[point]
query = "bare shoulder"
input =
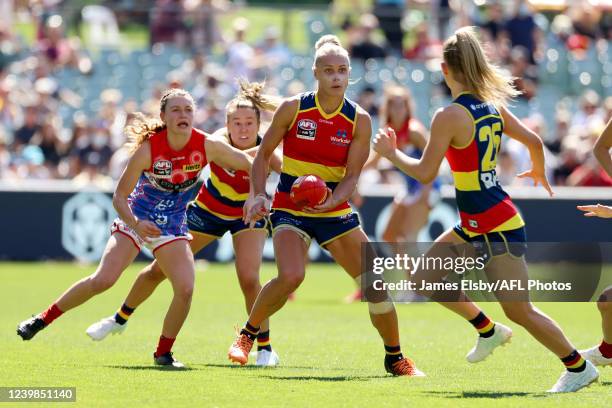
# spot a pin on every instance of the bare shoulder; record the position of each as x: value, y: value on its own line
x: 361, y: 115
x: 452, y: 113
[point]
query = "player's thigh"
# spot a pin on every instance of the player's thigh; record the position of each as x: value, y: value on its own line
x: 346, y: 251
x: 200, y: 241
x: 119, y: 253
x: 248, y: 247
x: 507, y: 269
x: 447, y: 245
x: 176, y: 261
x: 290, y: 251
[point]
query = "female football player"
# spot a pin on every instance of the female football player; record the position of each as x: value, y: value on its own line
x: 216, y: 210
x: 325, y: 134
x: 151, y: 196
x: 469, y: 133
x: 602, y: 354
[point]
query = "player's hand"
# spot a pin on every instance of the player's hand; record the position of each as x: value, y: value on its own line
x: 538, y: 178
x: 147, y: 230
x: 329, y: 204
x: 255, y: 208
x: 385, y: 142
x: 599, y: 210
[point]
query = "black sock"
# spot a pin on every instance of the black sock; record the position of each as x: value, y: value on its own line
x: 574, y: 362
x: 393, y: 354
x: 250, y: 331
x: 484, y: 326
x: 123, y: 314
x: 263, y: 341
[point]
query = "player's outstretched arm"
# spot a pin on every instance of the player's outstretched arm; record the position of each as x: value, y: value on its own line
x: 598, y: 210
x: 139, y: 162
x: 602, y: 147
x: 225, y: 155
x: 425, y: 170
x: 514, y: 128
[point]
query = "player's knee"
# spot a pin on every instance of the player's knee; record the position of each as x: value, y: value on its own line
x: 519, y: 313
x: 604, y: 303
x: 153, y: 273
x: 100, y: 283
x: 291, y: 281
x: 250, y: 284
x: 184, y: 291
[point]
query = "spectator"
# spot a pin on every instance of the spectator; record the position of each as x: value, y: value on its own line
x: 204, y: 33
x: 239, y: 53
x: 362, y: 46
x: 367, y: 100
x: 30, y: 126
x: 424, y: 47
x: 589, y: 114
x: 168, y: 23
x: 494, y: 22
x: 389, y: 14
x: 521, y: 29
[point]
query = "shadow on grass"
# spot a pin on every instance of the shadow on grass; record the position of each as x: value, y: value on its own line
x: 605, y: 382
x: 254, y: 367
x: 151, y: 367
x: 483, y: 394
x: 341, y: 378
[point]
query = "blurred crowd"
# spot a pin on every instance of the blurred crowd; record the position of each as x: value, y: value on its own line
x: 62, y: 116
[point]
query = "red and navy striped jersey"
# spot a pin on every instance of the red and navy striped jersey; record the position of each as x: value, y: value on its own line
x: 483, y: 205
x: 225, y: 191
x: 163, y: 190
x: 316, y: 143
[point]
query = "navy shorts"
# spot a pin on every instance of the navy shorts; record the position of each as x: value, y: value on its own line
x: 202, y: 221
x: 323, y: 229
x: 512, y: 242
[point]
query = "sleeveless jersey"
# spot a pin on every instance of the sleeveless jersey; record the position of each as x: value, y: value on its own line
x: 163, y: 190
x: 225, y: 192
x: 483, y: 205
x: 316, y: 143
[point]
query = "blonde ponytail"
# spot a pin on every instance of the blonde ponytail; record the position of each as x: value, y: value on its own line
x: 250, y: 96
x: 465, y: 57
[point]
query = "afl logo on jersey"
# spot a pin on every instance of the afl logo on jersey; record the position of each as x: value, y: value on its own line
x: 306, y: 129
x: 162, y: 168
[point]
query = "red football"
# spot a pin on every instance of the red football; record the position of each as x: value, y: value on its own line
x: 308, y: 190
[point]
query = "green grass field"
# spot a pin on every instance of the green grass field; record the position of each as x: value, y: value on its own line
x: 330, y: 354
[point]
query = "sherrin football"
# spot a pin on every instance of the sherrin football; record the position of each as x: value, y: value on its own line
x: 308, y: 190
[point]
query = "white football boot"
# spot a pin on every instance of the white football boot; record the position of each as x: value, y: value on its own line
x: 99, y: 330
x: 594, y: 356
x: 267, y: 358
x: 485, y: 345
x: 572, y: 382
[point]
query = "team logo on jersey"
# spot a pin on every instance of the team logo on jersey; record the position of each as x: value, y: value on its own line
x: 192, y: 167
x: 162, y: 168
x: 230, y: 172
x: 473, y: 223
x: 341, y: 138
x: 306, y: 129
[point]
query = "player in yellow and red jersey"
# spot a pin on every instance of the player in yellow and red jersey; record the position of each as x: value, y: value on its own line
x: 469, y: 133
x: 325, y: 134
x: 216, y: 210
